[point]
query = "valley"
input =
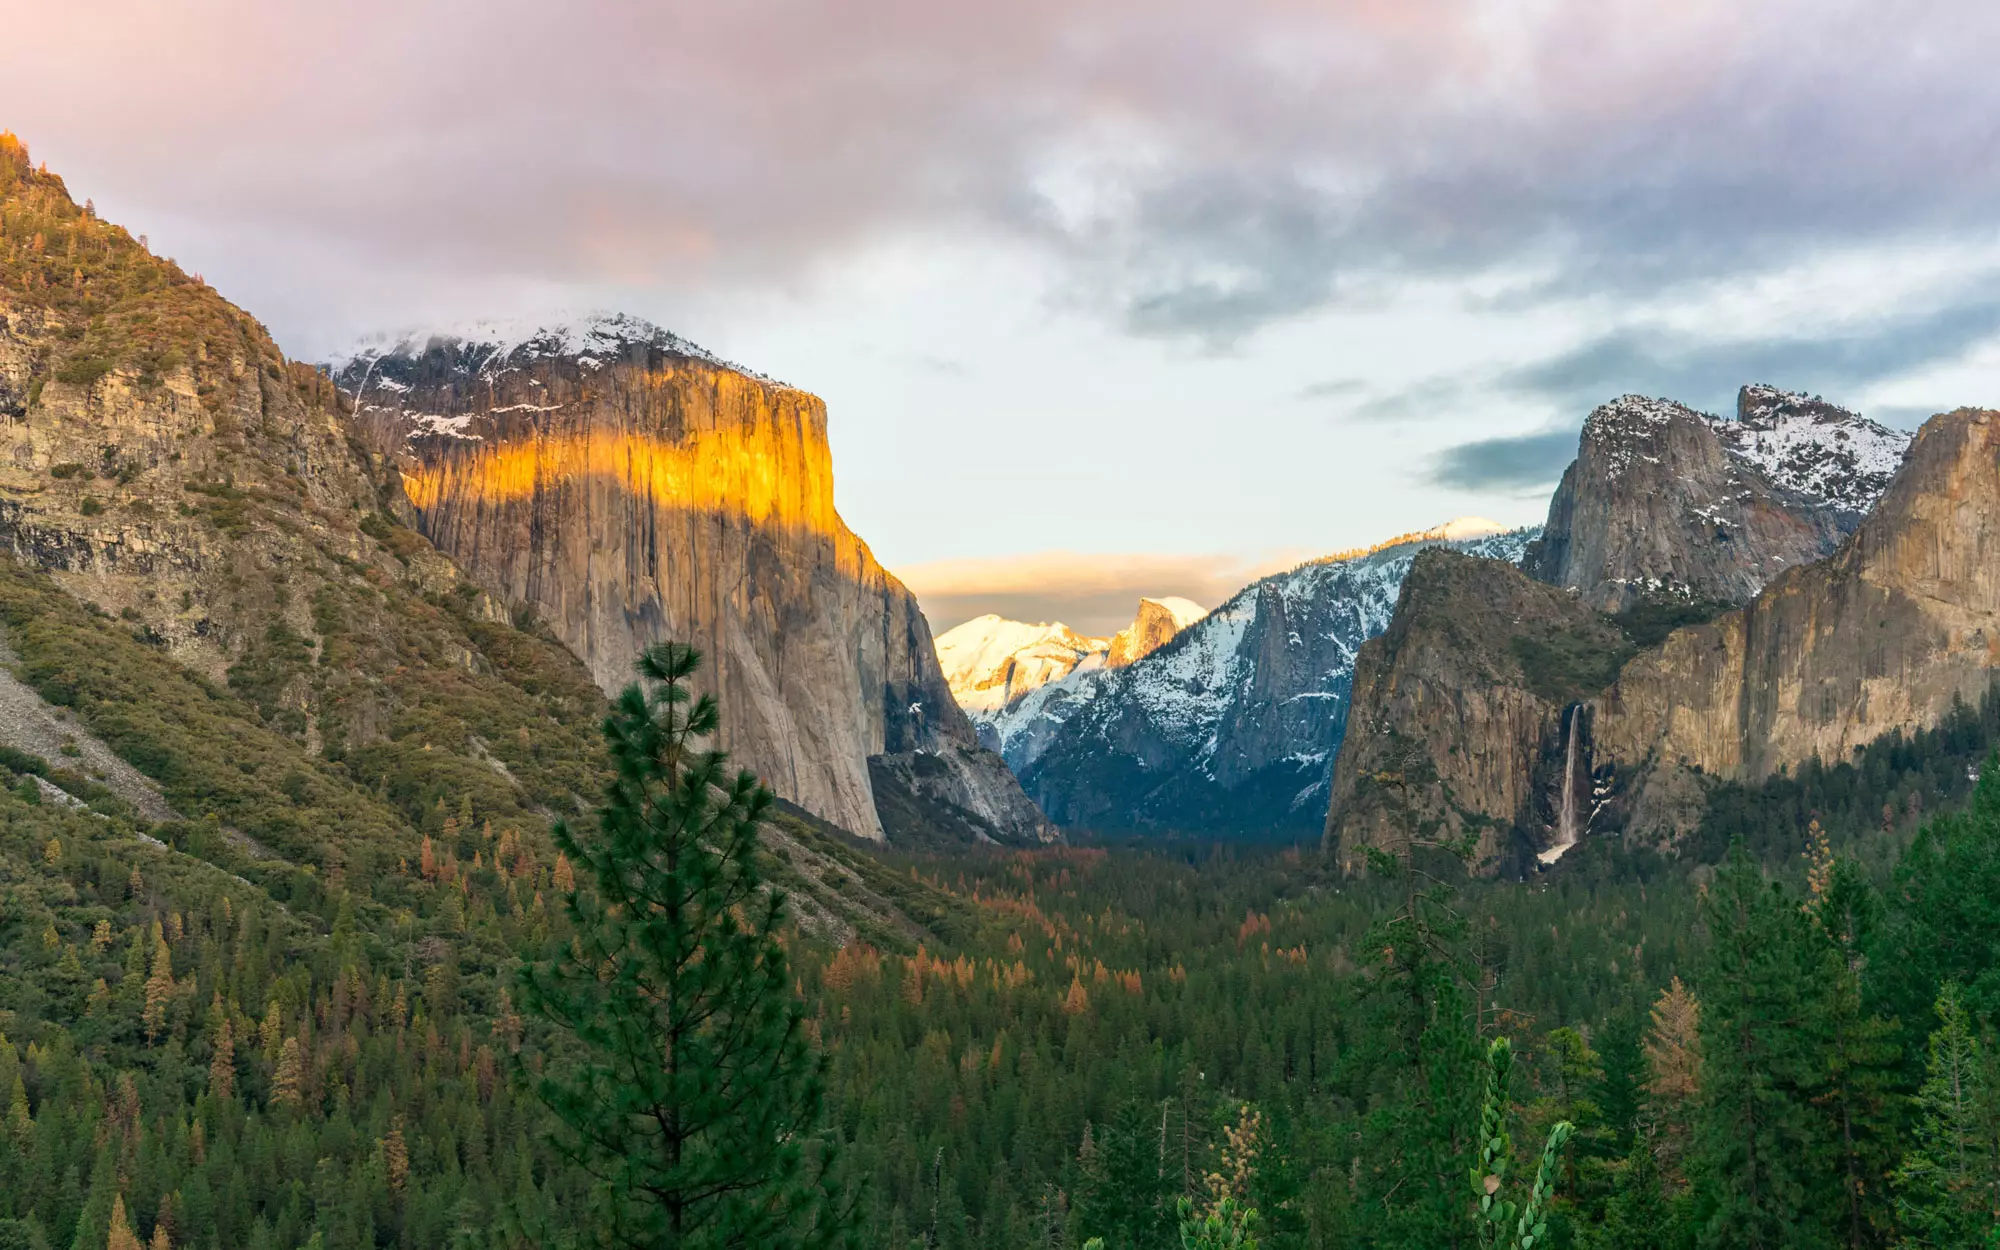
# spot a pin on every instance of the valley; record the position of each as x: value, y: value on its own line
x: 347, y: 727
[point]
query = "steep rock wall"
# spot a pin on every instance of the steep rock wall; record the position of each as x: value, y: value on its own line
x: 1655, y: 504
x: 1884, y: 635
x: 625, y: 487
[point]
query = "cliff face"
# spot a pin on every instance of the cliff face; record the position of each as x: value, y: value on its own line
x: 625, y: 487
x: 1884, y: 635
x: 1153, y: 626
x: 1227, y: 729
x: 1666, y: 502
x: 1466, y: 716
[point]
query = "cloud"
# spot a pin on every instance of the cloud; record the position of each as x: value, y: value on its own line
x: 1091, y: 593
x: 1202, y: 170
x: 1706, y: 371
x: 1520, y: 462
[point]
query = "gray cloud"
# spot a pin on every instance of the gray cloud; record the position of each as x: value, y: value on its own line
x: 1706, y: 372
x: 1516, y: 462
x: 1227, y: 165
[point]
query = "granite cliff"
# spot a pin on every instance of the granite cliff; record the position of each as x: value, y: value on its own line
x: 1886, y: 634
x: 621, y: 486
x: 1620, y: 722
x: 1464, y: 716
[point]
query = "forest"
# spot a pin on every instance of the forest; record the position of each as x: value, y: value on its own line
x: 1782, y: 1038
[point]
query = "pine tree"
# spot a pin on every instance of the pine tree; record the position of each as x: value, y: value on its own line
x: 1862, y: 1055
x: 1639, y: 1216
x: 122, y: 1237
x: 687, y: 1085
x: 287, y: 1083
x: 1765, y: 1160
x: 222, y: 1064
x: 1946, y: 1192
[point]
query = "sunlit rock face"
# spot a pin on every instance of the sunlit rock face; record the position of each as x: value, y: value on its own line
x: 624, y: 487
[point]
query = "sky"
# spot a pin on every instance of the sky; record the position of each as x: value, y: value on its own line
x: 1105, y: 297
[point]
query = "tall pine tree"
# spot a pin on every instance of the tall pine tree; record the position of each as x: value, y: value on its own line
x: 1948, y: 1187
x: 1766, y: 1166
x: 687, y: 1085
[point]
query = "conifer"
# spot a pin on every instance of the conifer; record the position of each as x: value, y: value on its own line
x: 688, y: 1085
x: 122, y: 1236
x: 159, y: 990
x: 1948, y: 1187
x: 222, y: 1065
x: 288, y: 1081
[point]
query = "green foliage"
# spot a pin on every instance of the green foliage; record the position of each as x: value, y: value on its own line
x: 1948, y: 1185
x: 1565, y: 665
x: 692, y: 1093
x: 1499, y: 1221
x: 1228, y: 1225
x: 1648, y: 622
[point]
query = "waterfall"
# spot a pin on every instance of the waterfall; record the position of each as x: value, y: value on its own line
x: 1566, y: 812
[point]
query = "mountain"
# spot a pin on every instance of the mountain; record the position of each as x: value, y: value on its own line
x: 1461, y: 703
x: 1227, y: 728
x: 1155, y: 625
x: 991, y: 663
x: 1885, y: 635
x: 1663, y: 502
x: 1621, y: 722
x: 622, y: 486
x: 1016, y: 680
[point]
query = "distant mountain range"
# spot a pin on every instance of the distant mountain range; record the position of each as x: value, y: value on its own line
x: 1226, y: 728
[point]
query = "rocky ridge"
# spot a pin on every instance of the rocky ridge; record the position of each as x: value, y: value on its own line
x: 623, y: 486
x: 1014, y: 679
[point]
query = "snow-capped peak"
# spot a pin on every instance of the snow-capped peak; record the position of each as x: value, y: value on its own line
x: 593, y: 338
x: 990, y: 661
x: 1464, y: 529
x: 1185, y: 612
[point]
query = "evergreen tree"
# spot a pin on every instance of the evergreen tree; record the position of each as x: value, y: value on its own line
x: 1947, y: 1189
x: 691, y: 1092
x: 1765, y: 1163
x: 1863, y: 1055
x: 1640, y: 1216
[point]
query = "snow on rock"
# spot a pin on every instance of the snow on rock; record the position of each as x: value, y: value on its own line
x: 991, y: 662
x: 1232, y: 722
x: 1826, y: 453
x: 1017, y: 681
x: 483, y: 347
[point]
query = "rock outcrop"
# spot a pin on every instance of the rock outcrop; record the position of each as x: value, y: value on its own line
x: 1663, y: 502
x: 1153, y: 627
x: 1227, y: 729
x: 1886, y: 634
x: 1467, y: 716
x: 623, y: 486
